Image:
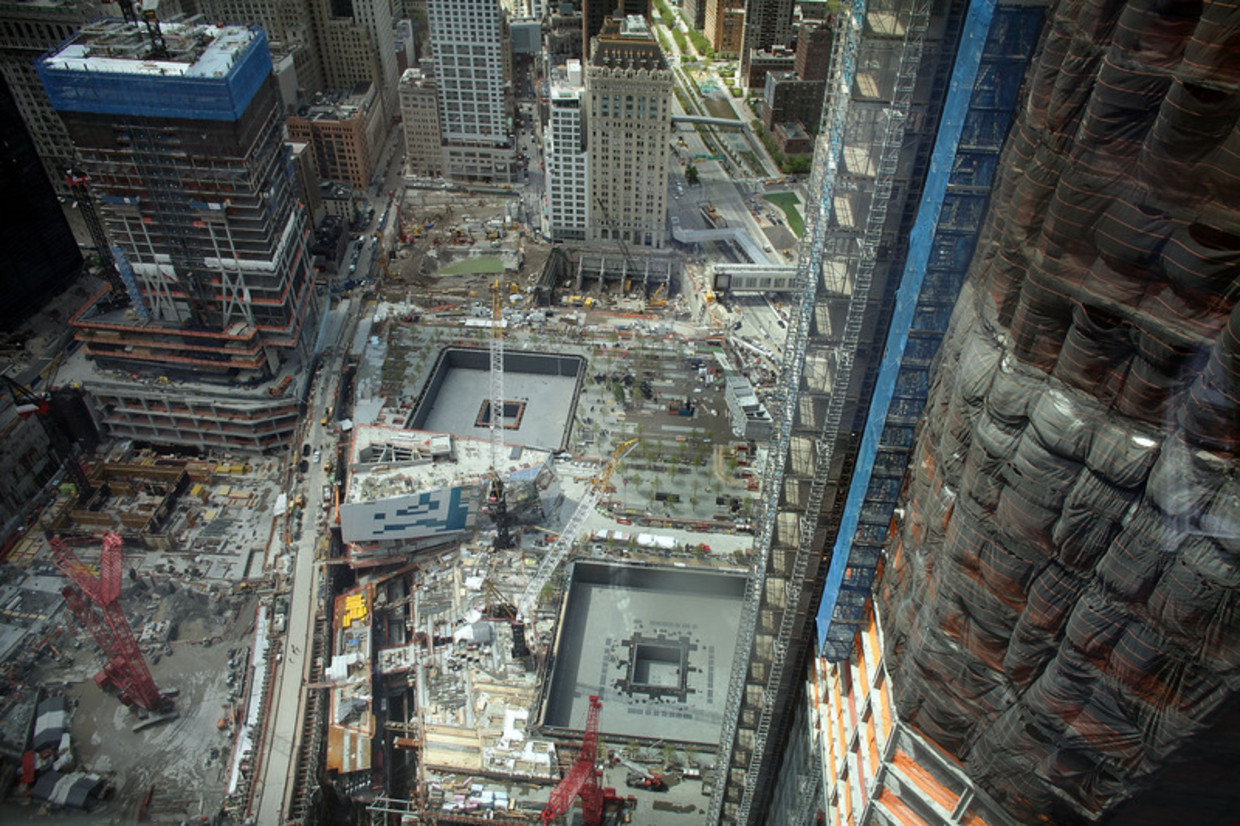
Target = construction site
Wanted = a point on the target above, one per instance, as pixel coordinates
(434, 608)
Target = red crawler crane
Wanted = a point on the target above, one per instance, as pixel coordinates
(582, 778)
(96, 601)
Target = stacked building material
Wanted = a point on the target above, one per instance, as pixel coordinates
(1060, 600)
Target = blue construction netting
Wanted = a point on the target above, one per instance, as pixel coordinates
(225, 97)
(995, 46)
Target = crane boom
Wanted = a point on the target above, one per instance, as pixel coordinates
(582, 778)
(559, 549)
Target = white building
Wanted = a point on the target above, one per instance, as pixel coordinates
(410, 489)
(472, 50)
(629, 90)
(566, 208)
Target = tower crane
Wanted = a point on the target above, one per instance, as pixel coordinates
(559, 549)
(499, 506)
(582, 778)
(96, 602)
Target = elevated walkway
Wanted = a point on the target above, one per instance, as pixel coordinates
(736, 234)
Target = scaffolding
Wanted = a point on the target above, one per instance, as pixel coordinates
(816, 389)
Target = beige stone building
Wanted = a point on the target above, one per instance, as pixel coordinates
(419, 111)
(629, 91)
(345, 129)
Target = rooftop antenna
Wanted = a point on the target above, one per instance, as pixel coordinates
(150, 16)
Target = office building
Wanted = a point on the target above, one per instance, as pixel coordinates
(472, 50)
(568, 184)
(725, 23)
(357, 44)
(813, 49)
(878, 284)
(768, 23)
(213, 343)
(629, 91)
(695, 13)
(291, 28)
(419, 111)
(346, 130)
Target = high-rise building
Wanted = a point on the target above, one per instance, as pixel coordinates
(357, 44)
(628, 122)
(473, 75)
(568, 184)
(419, 109)
(875, 288)
(290, 26)
(695, 13)
(28, 28)
(767, 23)
(345, 129)
(725, 23)
(38, 253)
(1058, 598)
(594, 13)
(181, 137)
(813, 52)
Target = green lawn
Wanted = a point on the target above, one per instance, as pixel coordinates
(475, 266)
(787, 201)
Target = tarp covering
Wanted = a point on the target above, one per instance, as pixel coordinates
(51, 721)
(77, 790)
(1061, 602)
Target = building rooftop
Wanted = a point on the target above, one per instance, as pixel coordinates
(393, 461)
(202, 71)
(339, 104)
(193, 49)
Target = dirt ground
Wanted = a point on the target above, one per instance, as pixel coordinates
(182, 763)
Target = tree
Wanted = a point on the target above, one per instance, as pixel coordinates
(669, 754)
(691, 175)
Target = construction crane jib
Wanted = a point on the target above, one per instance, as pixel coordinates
(559, 549)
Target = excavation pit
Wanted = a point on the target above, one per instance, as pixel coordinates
(655, 644)
(540, 394)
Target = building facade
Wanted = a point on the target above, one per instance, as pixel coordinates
(875, 288)
(628, 91)
(567, 176)
(291, 26)
(1079, 587)
(813, 50)
(787, 98)
(472, 50)
(419, 110)
(767, 23)
(725, 24)
(357, 44)
(27, 30)
(215, 335)
(345, 129)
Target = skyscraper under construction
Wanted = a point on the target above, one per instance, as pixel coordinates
(178, 130)
(919, 98)
(1052, 635)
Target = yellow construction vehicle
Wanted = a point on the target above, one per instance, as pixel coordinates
(659, 299)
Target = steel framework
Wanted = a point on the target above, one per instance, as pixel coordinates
(96, 602)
